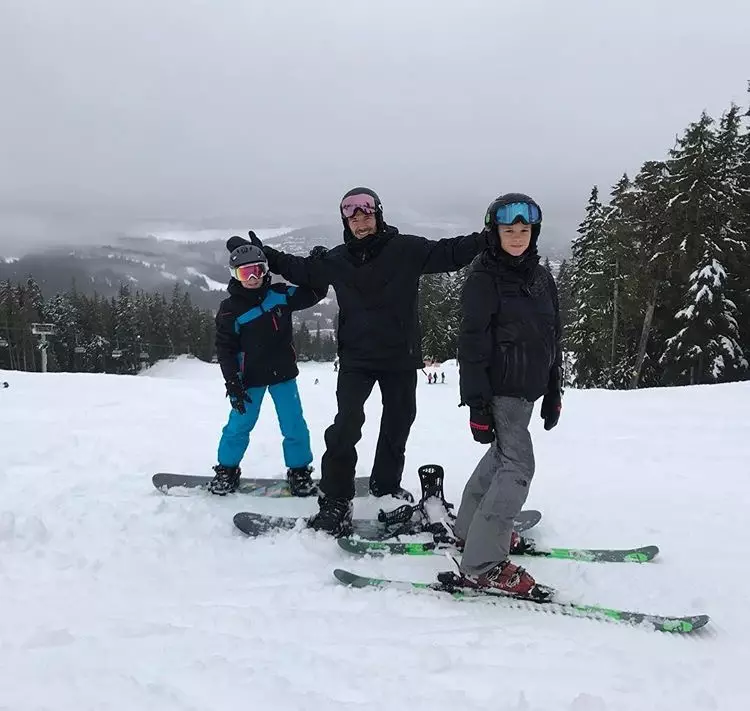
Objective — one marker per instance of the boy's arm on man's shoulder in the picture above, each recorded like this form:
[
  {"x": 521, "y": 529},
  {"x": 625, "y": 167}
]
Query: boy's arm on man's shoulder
[
  {"x": 303, "y": 297},
  {"x": 305, "y": 271}
]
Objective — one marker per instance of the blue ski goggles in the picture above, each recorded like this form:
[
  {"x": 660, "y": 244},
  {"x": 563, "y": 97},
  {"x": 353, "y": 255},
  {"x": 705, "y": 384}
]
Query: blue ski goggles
[{"x": 527, "y": 212}]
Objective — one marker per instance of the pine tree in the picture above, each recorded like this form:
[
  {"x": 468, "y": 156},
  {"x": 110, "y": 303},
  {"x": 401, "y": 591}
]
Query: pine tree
[
  {"x": 704, "y": 343},
  {"x": 615, "y": 259},
  {"x": 651, "y": 262},
  {"x": 706, "y": 348},
  {"x": 439, "y": 314},
  {"x": 565, "y": 296},
  {"x": 740, "y": 267},
  {"x": 61, "y": 311},
  {"x": 178, "y": 322},
  {"x": 590, "y": 328},
  {"x": 127, "y": 335}
]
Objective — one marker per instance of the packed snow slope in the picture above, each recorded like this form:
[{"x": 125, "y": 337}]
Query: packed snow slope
[{"x": 114, "y": 596}]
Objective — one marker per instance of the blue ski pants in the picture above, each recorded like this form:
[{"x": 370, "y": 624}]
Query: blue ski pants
[{"x": 235, "y": 436}]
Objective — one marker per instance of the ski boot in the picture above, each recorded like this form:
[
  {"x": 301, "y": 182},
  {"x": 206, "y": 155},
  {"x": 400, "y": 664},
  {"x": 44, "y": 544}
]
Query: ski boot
[
  {"x": 226, "y": 480},
  {"x": 300, "y": 481},
  {"x": 504, "y": 577},
  {"x": 334, "y": 517}
]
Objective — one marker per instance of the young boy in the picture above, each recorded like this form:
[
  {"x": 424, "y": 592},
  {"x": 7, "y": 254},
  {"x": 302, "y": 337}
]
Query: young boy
[
  {"x": 509, "y": 356},
  {"x": 255, "y": 351}
]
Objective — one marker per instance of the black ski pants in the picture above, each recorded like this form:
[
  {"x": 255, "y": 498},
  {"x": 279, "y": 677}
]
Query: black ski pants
[{"x": 399, "y": 394}]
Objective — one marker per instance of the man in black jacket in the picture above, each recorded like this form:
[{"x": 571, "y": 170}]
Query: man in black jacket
[
  {"x": 509, "y": 356},
  {"x": 375, "y": 274}
]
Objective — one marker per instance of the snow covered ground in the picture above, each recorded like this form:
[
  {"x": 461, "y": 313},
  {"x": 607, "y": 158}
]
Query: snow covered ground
[{"x": 113, "y": 596}]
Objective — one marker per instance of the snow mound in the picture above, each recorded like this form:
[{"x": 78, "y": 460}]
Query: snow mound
[{"x": 183, "y": 367}]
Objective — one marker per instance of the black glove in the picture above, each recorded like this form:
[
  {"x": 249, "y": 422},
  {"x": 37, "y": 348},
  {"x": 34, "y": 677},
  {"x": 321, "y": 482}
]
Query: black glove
[
  {"x": 482, "y": 425},
  {"x": 254, "y": 239},
  {"x": 237, "y": 395},
  {"x": 234, "y": 242},
  {"x": 551, "y": 408},
  {"x": 318, "y": 252}
]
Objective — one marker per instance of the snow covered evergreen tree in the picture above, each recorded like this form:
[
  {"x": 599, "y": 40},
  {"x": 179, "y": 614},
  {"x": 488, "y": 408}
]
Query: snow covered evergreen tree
[
  {"x": 127, "y": 335},
  {"x": 706, "y": 349},
  {"x": 590, "y": 326},
  {"x": 651, "y": 262},
  {"x": 704, "y": 344},
  {"x": 617, "y": 261},
  {"x": 440, "y": 314},
  {"x": 740, "y": 288}
]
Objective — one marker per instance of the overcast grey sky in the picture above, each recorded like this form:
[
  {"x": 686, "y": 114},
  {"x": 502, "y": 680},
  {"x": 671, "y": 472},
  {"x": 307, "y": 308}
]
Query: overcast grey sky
[{"x": 258, "y": 110}]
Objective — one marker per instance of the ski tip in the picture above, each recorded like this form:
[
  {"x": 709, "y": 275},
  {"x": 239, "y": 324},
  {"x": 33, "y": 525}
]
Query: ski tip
[
  {"x": 644, "y": 554},
  {"x": 347, "y": 578},
  {"x": 527, "y": 519},
  {"x": 684, "y": 625},
  {"x": 243, "y": 521}
]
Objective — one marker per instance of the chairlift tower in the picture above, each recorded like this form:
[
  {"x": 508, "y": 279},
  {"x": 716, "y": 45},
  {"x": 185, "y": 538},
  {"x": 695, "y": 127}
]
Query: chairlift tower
[{"x": 43, "y": 330}]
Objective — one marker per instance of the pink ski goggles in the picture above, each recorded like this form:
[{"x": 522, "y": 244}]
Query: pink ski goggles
[
  {"x": 246, "y": 272},
  {"x": 362, "y": 202}
]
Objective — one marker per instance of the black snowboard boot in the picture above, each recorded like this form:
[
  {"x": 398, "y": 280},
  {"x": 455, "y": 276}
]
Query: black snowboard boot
[
  {"x": 397, "y": 493},
  {"x": 226, "y": 480},
  {"x": 300, "y": 481},
  {"x": 334, "y": 517}
]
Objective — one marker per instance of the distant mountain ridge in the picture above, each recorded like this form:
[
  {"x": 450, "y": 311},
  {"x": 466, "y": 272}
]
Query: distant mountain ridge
[{"x": 157, "y": 264}]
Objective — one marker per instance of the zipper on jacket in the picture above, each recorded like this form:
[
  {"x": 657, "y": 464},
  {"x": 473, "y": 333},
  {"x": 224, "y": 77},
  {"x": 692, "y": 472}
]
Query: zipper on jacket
[{"x": 275, "y": 322}]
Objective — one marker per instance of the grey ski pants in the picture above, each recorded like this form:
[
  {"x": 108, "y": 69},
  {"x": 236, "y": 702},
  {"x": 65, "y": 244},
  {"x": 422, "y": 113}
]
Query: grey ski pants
[{"x": 497, "y": 489}]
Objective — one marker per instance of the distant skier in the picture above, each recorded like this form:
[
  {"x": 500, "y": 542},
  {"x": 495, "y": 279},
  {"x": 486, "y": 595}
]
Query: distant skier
[
  {"x": 442, "y": 378},
  {"x": 316, "y": 381},
  {"x": 255, "y": 351},
  {"x": 509, "y": 356}
]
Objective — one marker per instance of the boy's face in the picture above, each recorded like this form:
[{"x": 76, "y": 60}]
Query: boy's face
[
  {"x": 252, "y": 283},
  {"x": 515, "y": 238}
]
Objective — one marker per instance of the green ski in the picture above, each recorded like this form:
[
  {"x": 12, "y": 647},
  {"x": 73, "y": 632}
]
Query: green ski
[
  {"x": 379, "y": 548},
  {"x": 662, "y": 623}
]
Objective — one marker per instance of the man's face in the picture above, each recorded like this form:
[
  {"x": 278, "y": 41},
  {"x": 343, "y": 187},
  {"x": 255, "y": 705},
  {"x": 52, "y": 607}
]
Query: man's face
[
  {"x": 514, "y": 239},
  {"x": 362, "y": 225}
]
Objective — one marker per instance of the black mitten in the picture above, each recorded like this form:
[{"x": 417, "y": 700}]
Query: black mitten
[
  {"x": 237, "y": 395},
  {"x": 482, "y": 425},
  {"x": 318, "y": 251}
]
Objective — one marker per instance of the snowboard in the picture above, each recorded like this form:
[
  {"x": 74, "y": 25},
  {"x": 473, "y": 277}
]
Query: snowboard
[
  {"x": 254, "y": 525},
  {"x": 271, "y": 488},
  {"x": 588, "y": 555},
  {"x": 548, "y": 604}
]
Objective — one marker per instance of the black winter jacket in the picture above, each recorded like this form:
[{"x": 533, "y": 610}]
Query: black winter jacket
[
  {"x": 509, "y": 342},
  {"x": 376, "y": 281},
  {"x": 254, "y": 332}
]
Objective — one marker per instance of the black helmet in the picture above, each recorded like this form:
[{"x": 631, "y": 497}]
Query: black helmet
[
  {"x": 490, "y": 219},
  {"x": 243, "y": 252},
  {"x": 378, "y": 209}
]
